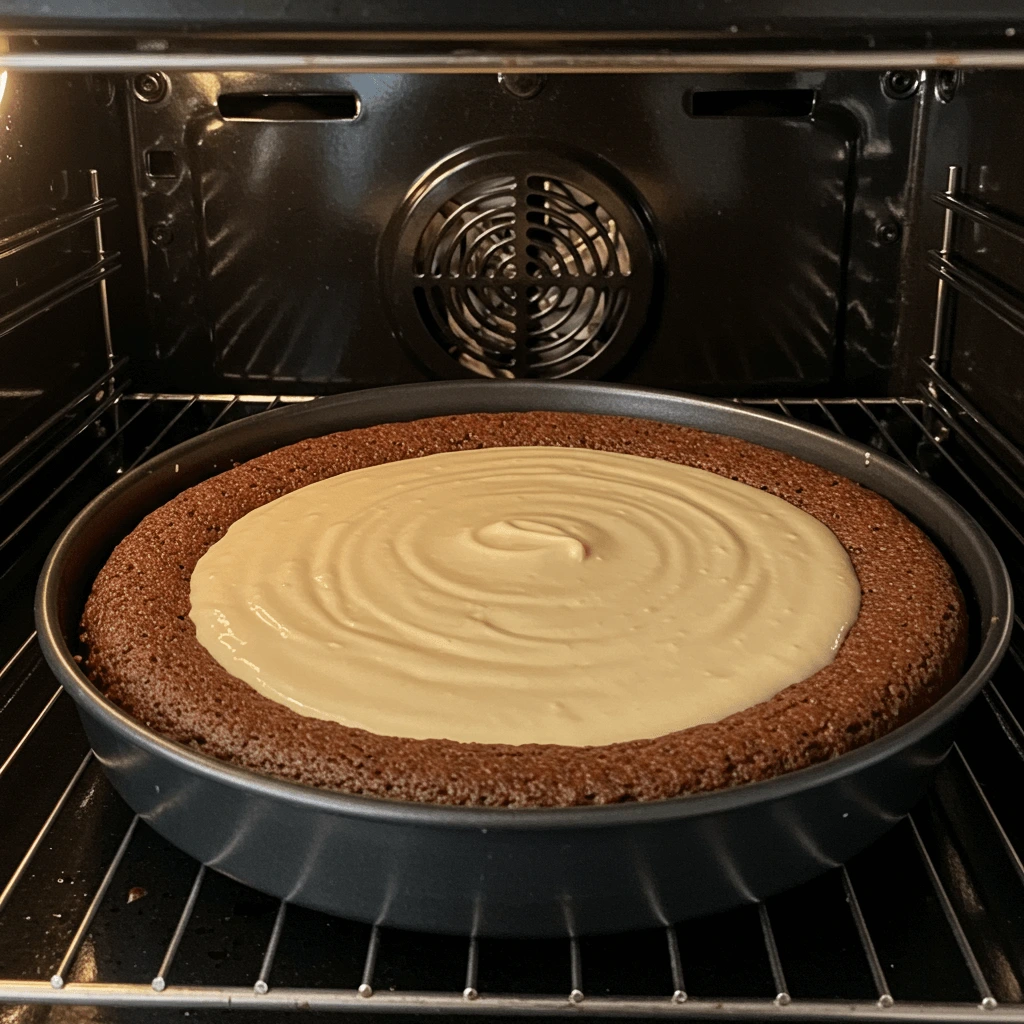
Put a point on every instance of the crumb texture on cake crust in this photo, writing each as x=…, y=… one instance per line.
x=904, y=651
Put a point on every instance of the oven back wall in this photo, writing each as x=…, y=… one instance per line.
x=727, y=235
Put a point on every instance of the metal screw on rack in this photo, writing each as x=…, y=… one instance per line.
x=887, y=232
x=161, y=235
x=900, y=85
x=151, y=86
x=947, y=81
x=523, y=87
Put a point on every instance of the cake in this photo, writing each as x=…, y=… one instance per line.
x=904, y=649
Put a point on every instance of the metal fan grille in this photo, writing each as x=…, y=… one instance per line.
x=523, y=276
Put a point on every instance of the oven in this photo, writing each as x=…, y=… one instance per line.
x=213, y=210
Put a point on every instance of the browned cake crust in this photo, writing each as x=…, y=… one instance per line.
x=905, y=649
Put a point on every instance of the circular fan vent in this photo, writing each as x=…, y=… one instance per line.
x=534, y=271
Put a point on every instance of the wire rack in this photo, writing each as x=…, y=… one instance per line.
x=96, y=909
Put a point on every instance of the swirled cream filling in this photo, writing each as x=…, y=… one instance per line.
x=524, y=595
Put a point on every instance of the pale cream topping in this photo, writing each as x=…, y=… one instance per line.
x=524, y=595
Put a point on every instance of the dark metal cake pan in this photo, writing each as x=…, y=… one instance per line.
x=499, y=871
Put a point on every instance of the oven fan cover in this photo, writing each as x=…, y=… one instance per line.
x=520, y=262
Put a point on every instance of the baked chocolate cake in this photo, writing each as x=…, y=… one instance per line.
x=904, y=650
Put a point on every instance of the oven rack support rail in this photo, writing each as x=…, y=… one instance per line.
x=938, y=431
x=105, y=264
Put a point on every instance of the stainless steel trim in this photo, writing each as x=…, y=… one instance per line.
x=470, y=61
x=242, y=998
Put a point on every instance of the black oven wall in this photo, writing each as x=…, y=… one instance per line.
x=718, y=234
x=727, y=235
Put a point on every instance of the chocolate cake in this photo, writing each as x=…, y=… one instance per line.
x=905, y=649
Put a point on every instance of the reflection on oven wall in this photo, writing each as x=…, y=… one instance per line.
x=269, y=264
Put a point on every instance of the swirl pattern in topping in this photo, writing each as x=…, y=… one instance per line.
x=524, y=595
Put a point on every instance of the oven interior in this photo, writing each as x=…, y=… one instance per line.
x=182, y=248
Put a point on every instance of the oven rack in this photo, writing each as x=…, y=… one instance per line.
x=96, y=909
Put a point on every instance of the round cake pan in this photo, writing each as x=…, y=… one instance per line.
x=515, y=872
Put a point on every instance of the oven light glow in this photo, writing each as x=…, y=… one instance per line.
x=3, y=84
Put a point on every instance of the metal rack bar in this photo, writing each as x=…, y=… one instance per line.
x=988, y=1001
x=939, y=327
x=53, y=452
x=966, y=477
x=220, y=416
x=57, y=980
x=159, y=983
x=676, y=966
x=557, y=61
x=884, y=431
x=785, y=408
x=9, y=664
x=54, y=226
x=52, y=297
x=978, y=451
x=262, y=986
x=1005, y=718
x=831, y=418
x=993, y=433
x=19, y=871
x=575, y=972
x=885, y=999
x=981, y=215
x=370, y=964
x=99, y=384
x=163, y=433
x=73, y=476
x=469, y=990
x=991, y=297
x=782, y=996
x=799, y=400
x=1004, y=839
x=31, y=729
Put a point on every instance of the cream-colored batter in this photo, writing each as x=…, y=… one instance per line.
x=524, y=595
